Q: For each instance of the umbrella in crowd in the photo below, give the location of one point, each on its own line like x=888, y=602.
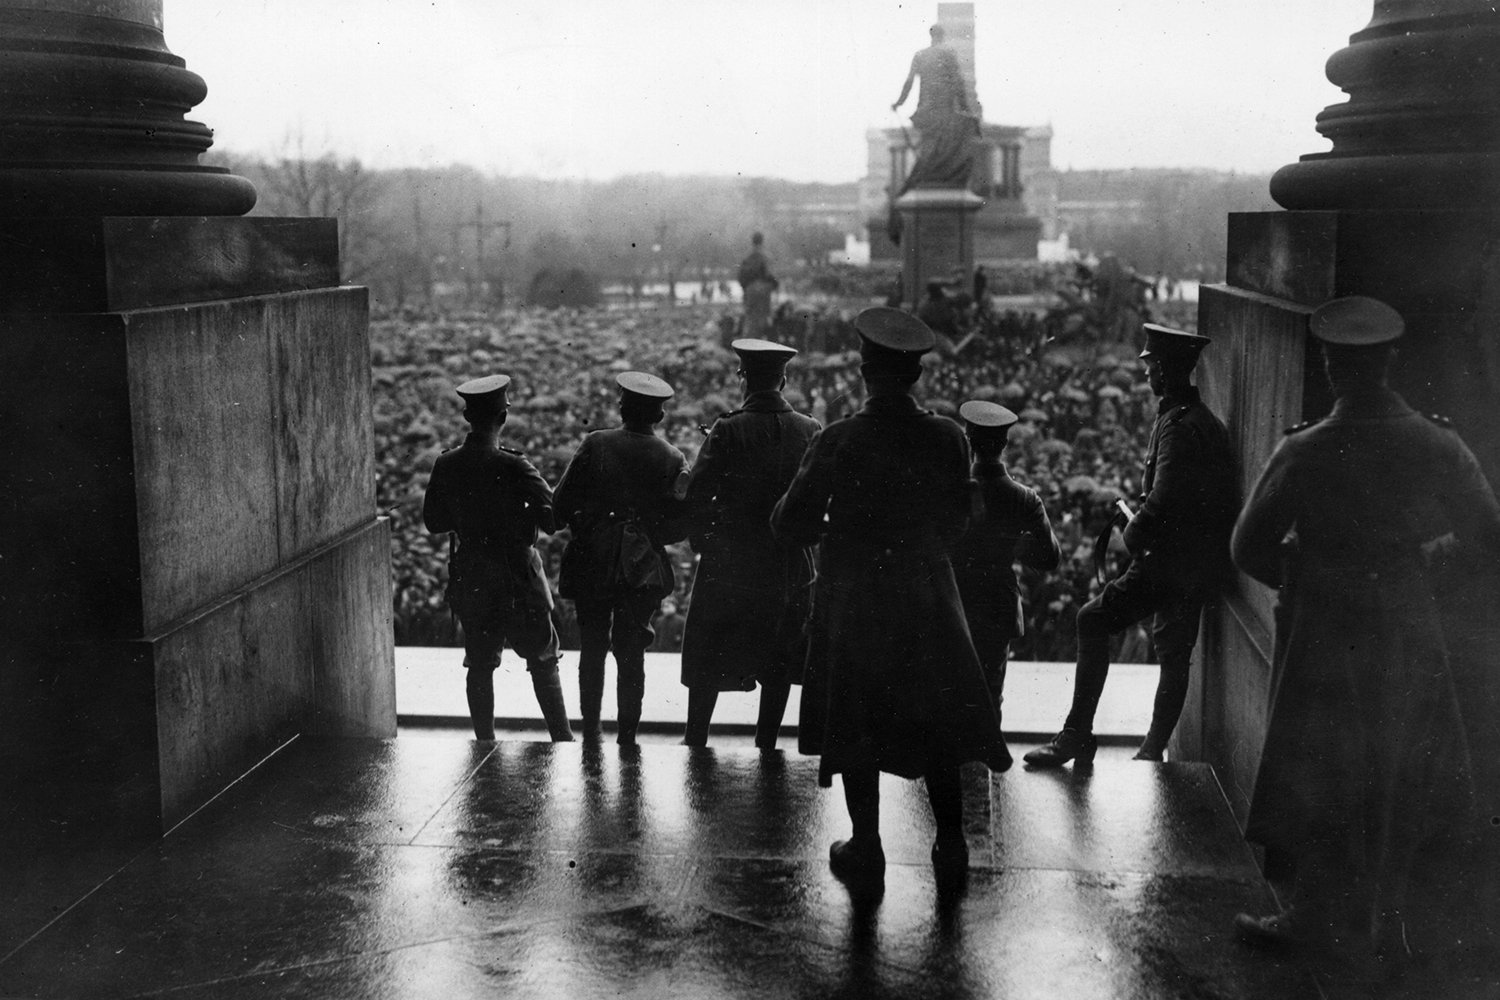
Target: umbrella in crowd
x=563, y=365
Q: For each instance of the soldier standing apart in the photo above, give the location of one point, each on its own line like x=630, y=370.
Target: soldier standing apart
x=758, y=284
x=1009, y=525
x=1179, y=543
x=620, y=496
x=892, y=682
x=493, y=502
x=750, y=596
x=1363, y=753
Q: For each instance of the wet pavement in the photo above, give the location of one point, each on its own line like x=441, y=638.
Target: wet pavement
x=438, y=867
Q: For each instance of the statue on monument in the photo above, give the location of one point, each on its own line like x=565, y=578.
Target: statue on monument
x=948, y=126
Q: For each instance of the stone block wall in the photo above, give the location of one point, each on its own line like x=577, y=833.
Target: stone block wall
x=198, y=573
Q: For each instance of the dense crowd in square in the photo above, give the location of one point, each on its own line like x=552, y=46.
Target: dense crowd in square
x=1086, y=415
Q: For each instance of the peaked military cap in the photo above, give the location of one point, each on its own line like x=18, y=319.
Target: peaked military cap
x=762, y=355
x=642, y=384
x=489, y=389
x=1163, y=341
x=894, y=330
x=1356, y=321
x=982, y=415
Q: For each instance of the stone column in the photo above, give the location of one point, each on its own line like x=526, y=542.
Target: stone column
x=91, y=116
x=1402, y=208
x=193, y=569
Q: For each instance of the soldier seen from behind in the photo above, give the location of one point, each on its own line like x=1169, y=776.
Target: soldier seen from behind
x=751, y=592
x=892, y=683
x=1356, y=520
x=1179, y=546
x=493, y=502
x=621, y=497
x=1009, y=525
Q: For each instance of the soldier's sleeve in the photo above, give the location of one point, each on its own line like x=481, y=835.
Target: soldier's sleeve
x=672, y=525
x=437, y=509
x=572, y=488
x=703, y=485
x=1257, y=543
x=798, y=518
x=1039, y=548
x=1172, y=489
x=536, y=496
x=956, y=497
x=1470, y=504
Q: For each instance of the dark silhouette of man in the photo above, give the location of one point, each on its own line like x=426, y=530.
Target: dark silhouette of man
x=1179, y=544
x=493, y=502
x=751, y=595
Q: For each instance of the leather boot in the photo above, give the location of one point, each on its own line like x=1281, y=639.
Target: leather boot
x=773, y=698
x=479, y=686
x=549, y=696
x=630, y=690
x=1065, y=746
x=701, y=702
x=590, y=697
x=1154, y=746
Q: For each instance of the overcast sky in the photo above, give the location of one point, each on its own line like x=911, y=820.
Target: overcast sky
x=787, y=88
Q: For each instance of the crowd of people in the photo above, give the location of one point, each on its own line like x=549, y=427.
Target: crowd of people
x=1085, y=417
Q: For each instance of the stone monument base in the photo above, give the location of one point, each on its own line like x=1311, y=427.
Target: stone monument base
x=194, y=570
x=937, y=238
x=1441, y=271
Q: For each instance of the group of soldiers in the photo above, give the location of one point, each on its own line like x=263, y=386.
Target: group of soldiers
x=873, y=562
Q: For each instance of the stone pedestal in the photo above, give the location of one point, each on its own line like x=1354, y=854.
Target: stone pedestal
x=1004, y=232
x=194, y=569
x=1441, y=271
x=937, y=238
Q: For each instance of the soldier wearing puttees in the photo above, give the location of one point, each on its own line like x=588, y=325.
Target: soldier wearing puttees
x=751, y=592
x=493, y=502
x=1009, y=525
x=621, y=495
x=1179, y=544
x=1357, y=519
x=891, y=682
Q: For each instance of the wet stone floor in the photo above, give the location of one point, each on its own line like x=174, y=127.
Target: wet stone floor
x=429, y=867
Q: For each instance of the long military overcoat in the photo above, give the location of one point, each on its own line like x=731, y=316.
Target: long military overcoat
x=892, y=680
x=751, y=593
x=1363, y=749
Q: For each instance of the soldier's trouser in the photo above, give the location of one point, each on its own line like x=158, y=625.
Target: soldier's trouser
x=1125, y=601
x=621, y=625
x=993, y=646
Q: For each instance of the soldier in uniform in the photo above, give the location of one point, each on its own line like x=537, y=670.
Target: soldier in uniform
x=1009, y=525
x=892, y=682
x=750, y=596
x=621, y=496
x=1351, y=520
x=493, y=502
x=1179, y=543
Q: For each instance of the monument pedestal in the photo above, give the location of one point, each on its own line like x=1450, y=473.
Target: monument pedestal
x=937, y=237
x=194, y=569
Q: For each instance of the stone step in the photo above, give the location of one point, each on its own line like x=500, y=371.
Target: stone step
x=430, y=693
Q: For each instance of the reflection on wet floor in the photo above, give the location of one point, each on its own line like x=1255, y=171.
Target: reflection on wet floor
x=437, y=867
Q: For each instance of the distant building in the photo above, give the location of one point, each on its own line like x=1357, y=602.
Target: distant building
x=1015, y=176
